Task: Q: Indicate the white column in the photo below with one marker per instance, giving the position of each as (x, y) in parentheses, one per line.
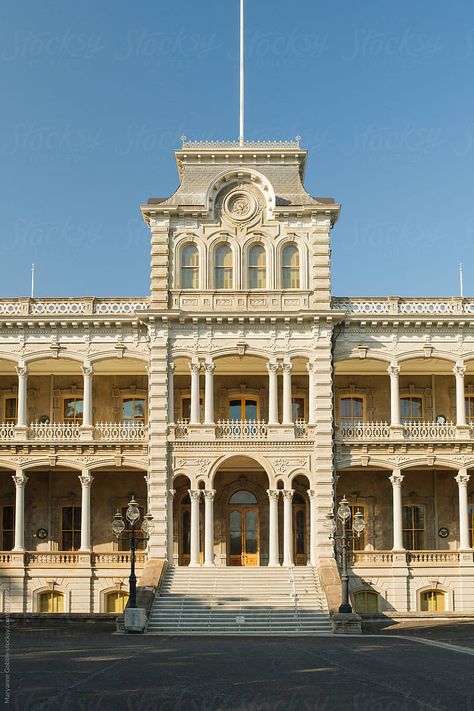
(171, 368)
(459, 370)
(169, 516)
(87, 372)
(22, 372)
(394, 372)
(195, 405)
(209, 495)
(287, 408)
(396, 480)
(20, 480)
(311, 398)
(287, 527)
(195, 496)
(312, 526)
(462, 480)
(272, 393)
(209, 368)
(274, 557)
(86, 480)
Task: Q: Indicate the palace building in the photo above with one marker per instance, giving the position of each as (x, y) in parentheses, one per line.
(238, 402)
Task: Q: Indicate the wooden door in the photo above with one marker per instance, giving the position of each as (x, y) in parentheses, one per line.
(244, 536)
(299, 534)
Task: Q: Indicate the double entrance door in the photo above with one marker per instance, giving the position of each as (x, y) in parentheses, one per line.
(243, 536)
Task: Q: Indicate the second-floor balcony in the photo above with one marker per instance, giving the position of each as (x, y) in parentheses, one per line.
(64, 432)
(412, 431)
(243, 430)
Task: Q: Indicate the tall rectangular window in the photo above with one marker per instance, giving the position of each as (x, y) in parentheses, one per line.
(411, 409)
(351, 410)
(414, 527)
(223, 267)
(8, 527)
(298, 408)
(133, 410)
(469, 400)
(71, 528)
(73, 409)
(10, 412)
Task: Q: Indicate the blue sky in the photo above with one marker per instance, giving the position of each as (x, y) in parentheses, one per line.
(97, 94)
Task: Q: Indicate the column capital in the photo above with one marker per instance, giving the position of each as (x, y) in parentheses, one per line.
(194, 367)
(87, 370)
(86, 480)
(462, 478)
(209, 367)
(286, 367)
(209, 494)
(459, 369)
(20, 479)
(396, 478)
(311, 494)
(310, 367)
(171, 493)
(272, 367)
(22, 370)
(273, 494)
(194, 494)
(287, 494)
(171, 366)
(393, 370)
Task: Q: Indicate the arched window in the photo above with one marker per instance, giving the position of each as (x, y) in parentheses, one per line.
(51, 601)
(116, 601)
(291, 267)
(243, 497)
(433, 601)
(190, 267)
(257, 267)
(366, 601)
(223, 268)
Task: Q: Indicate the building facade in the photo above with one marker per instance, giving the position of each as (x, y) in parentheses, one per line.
(237, 402)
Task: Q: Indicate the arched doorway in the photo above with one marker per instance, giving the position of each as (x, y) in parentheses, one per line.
(244, 529)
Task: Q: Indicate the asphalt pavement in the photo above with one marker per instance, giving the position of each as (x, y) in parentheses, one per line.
(69, 667)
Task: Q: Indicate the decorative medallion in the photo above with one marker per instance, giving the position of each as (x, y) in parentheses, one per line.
(240, 205)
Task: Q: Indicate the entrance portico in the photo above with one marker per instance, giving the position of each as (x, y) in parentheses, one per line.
(243, 516)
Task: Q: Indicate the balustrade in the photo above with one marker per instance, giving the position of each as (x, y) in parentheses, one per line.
(376, 431)
(129, 431)
(71, 307)
(7, 431)
(384, 558)
(241, 429)
(429, 430)
(57, 432)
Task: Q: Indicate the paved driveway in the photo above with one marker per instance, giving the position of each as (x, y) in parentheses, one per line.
(90, 669)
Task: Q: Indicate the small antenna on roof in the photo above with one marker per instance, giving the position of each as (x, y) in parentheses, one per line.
(460, 280)
(242, 85)
(32, 281)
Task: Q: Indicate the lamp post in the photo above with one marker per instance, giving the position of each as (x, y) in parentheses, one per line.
(132, 515)
(343, 515)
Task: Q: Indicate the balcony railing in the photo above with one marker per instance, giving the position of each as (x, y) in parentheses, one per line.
(107, 559)
(241, 429)
(54, 432)
(360, 306)
(135, 431)
(72, 432)
(379, 431)
(72, 307)
(413, 558)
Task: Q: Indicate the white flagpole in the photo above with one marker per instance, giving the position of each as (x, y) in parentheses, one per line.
(460, 280)
(241, 137)
(32, 281)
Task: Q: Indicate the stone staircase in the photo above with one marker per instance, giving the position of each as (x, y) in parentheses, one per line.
(240, 601)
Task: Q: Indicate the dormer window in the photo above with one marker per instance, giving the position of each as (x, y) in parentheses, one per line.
(291, 267)
(223, 267)
(190, 267)
(257, 267)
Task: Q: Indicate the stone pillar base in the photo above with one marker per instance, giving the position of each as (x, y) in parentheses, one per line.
(134, 619)
(346, 623)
